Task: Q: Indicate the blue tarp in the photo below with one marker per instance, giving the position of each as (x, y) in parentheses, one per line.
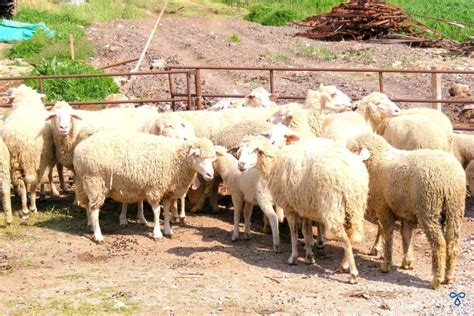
(11, 31)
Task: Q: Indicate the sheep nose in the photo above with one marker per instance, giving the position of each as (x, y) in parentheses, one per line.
(241, 166)
(210, 175)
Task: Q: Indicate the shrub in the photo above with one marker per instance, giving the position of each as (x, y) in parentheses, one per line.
(271, 15)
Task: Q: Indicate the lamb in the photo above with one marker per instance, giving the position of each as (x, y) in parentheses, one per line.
(464, 148)
(328, 99)
(432, 195)
(5, 182)
(138, 167)
(247, 189)
(30, 143)
(328, 185)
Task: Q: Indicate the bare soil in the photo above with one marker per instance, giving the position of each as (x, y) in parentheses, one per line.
(50, 265)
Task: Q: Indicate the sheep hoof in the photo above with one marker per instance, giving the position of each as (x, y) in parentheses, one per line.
(407, 265)
(309, 259)
(447, 280)
(173, 220)
(343, 269)
(235, 237)
(319, 246)
(99, 240)
(435, 284)
(182, 220)
(24, 215)
(292, 260)
(158, 238)
(247, 236)
(123, 223)
(354, 279)
(168, 234)
(276, 248)
(385, 268)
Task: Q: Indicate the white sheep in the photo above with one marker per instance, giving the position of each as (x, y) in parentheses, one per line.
(5, 182)
(138, 167)
(470, 176)
(30, 143)
(247, 189)
(425, 187)
(464, 148)
(328, 99)
(328, 185)
(258, 97)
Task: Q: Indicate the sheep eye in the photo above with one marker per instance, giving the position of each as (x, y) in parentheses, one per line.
(183, 125)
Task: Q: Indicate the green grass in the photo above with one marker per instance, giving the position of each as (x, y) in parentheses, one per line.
(280, 57)
(280, 12)
(364, 55)
(234, 38)
(322, 53)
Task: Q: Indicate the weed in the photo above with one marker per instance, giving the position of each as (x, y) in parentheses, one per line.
(309, 50)
(360, 54)
(234, 38)
(280, 57)
(74, 89)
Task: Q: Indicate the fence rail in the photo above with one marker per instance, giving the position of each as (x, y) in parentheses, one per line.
(195, 72)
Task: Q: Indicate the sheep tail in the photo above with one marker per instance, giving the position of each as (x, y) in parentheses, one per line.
(280, 214)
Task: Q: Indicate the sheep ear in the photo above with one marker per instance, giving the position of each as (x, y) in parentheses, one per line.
(267, 135)
(364, 154)
(287, 120)
(194, 152)
(273, 96)
(220, 151)
(291, 138)
(250, 97)
(234, 150)
(373, 108)
(196, 183)
(50, 117)
(75, 116)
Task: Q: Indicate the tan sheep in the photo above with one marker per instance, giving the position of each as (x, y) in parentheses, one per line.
(425, 187)
(464, 148)
(5, 182)
(328, 99)
(470, 176)
(328, 185)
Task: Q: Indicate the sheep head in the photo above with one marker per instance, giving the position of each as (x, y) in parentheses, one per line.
(62, 116)
(256, 152)
(174, 127)
(328, 99)
(24, 95)
(368, 146)
(201, 153)
(288, 115)
(280, 135)
(260, 97)
(378, 105)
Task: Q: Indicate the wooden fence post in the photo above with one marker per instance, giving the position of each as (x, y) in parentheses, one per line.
(71, 46)
(436, 89)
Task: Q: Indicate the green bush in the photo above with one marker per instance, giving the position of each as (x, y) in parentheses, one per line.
(80, 89)
(267, 14)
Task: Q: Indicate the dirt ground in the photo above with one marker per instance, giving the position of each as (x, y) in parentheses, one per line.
(50, 265)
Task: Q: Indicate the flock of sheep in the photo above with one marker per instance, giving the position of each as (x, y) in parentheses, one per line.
(328, 161)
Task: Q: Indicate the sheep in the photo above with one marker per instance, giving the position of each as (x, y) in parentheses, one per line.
(328, 99)
(459, 90)
(432, 195)
(138, 167)
(5, 182)
(247, 189)
(470, 176)
(328, 185)
(464, 148)
(258, 97)
(30, 143)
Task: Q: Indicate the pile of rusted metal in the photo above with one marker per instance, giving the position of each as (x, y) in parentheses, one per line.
(365, 20)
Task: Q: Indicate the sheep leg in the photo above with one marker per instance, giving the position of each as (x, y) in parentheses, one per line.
(32, 188)
(215, 195)
(94, 215)
(434, 234)
(202, 199)
(62, 181)
(378, 243)
(387, 222)
(407, 237)
(140, 215)
(248, 208)
(7, 204)
(307, 229)
(321, 235)
(166, 210)
(265, 228)
(271, 216)
(156, 214)
(292, 222)
(452, 246)
(182, 210)
(24, 208)
(123, 215)
(89, 219)
(174, 211)
(238, 202)
(348, 262)
(54, 190)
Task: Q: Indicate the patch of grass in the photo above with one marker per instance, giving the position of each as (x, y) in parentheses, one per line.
(74, 89)
(28, 261)
(280, 57)
(364, 55)
(234, 38)
(321, 53)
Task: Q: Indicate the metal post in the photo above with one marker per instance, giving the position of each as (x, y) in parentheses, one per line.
(381, 81)
(436, 89)
(271, 82)
(188, 88)
(197, 81)
(170, 80)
